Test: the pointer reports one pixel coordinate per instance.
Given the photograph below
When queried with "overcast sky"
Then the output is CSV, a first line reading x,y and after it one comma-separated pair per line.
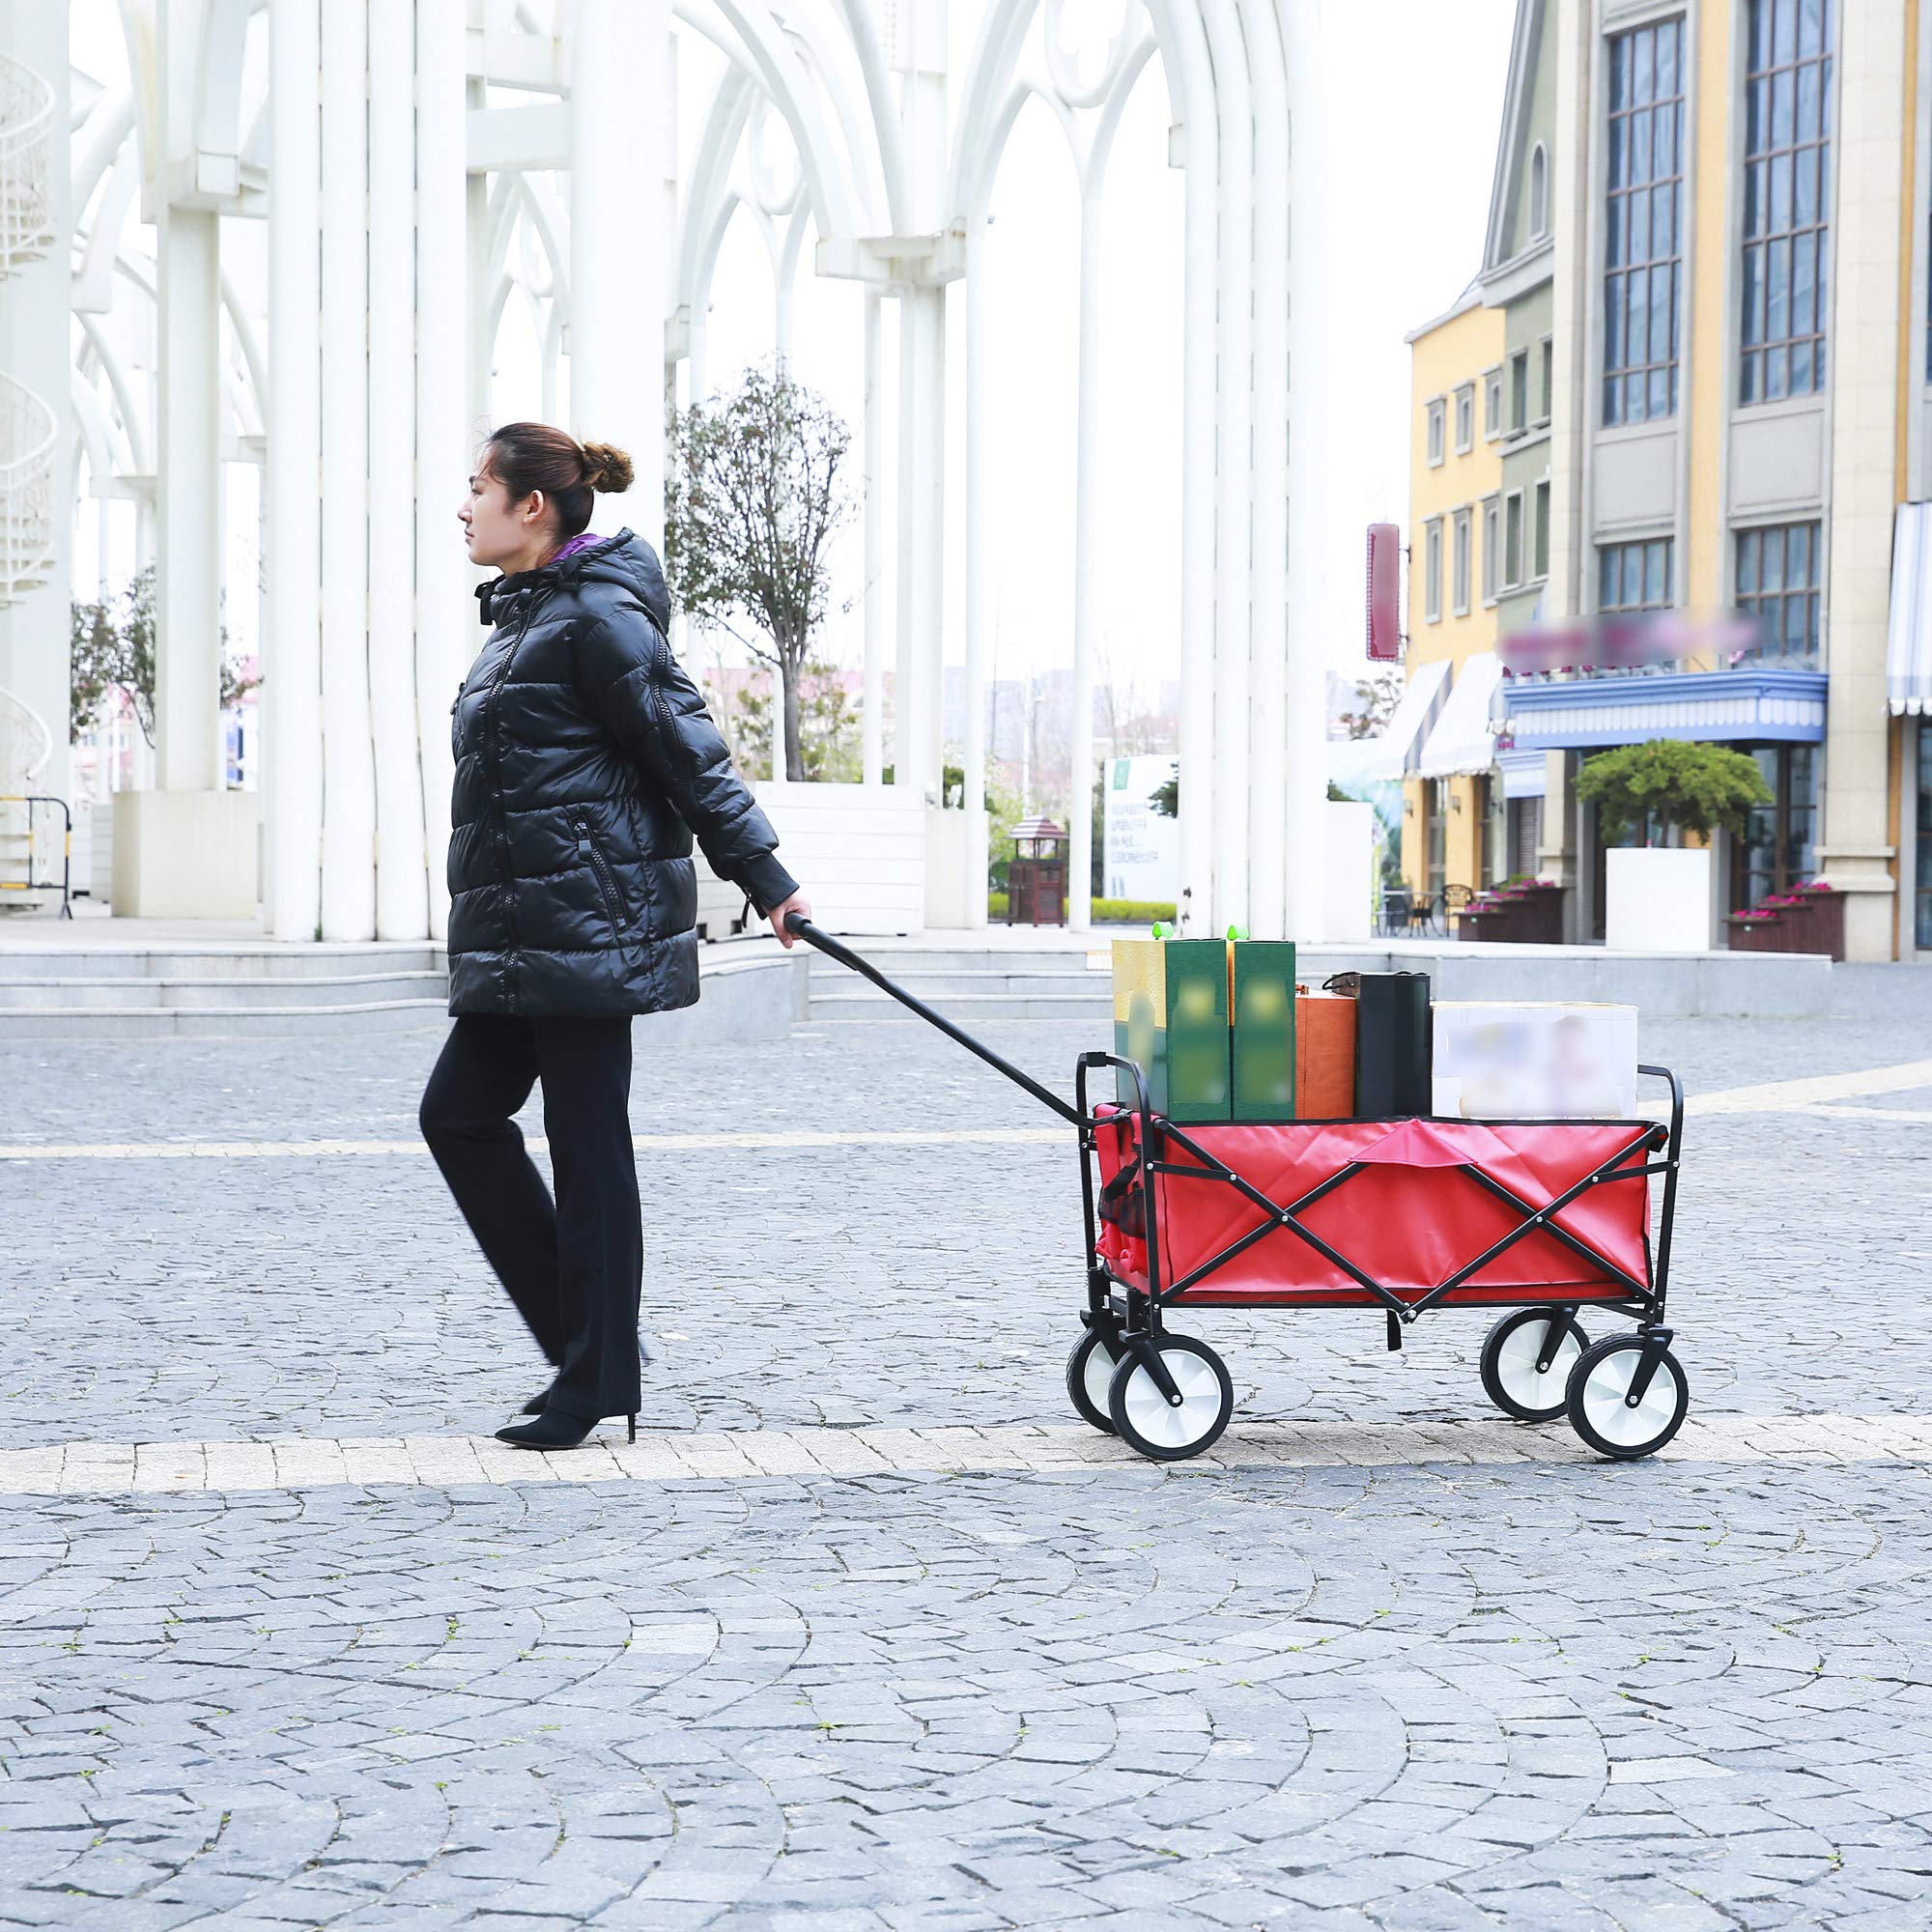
x,y
1413,89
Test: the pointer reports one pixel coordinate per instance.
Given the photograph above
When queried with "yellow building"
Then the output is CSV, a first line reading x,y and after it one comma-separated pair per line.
x,y
1452,827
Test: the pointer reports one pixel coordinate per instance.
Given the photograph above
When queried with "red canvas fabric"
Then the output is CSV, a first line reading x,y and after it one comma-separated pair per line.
x,y
1410,1219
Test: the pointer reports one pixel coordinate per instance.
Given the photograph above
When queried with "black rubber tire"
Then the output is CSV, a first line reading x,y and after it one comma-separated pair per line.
x,y
1213,1402
1078,1391
1652,1425
1496,1364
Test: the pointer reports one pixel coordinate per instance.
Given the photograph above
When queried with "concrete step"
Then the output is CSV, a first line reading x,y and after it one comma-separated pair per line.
x,y
30,962
867,1007
216,992
102,1023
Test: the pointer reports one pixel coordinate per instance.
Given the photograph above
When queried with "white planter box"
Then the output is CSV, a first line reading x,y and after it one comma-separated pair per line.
x,y
955,868
858,851
1657,899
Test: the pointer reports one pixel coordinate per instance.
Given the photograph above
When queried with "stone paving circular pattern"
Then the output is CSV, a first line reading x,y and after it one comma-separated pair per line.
x,y
1400,1697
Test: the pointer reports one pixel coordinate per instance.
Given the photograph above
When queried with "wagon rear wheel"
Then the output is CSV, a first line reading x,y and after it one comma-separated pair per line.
x,y
1514,1352
1089,1369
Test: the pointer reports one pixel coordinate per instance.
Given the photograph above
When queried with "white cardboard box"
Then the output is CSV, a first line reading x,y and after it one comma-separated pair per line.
x,y
1504,1060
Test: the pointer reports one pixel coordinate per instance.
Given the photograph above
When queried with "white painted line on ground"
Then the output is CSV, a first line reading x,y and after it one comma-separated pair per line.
x,y
1785,1095
816,1454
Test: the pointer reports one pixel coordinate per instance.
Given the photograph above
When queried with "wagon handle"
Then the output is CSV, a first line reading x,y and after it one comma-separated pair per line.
x,y
802,928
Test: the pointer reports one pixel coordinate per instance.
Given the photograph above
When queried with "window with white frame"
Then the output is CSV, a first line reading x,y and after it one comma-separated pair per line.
x,y
1539,193
1777,584
1545,379
1466,418
1492,400
1787,199
1643,201
1540,531
1492,533
1435,408
1459,562
1513,540
1634,575
1432,570
1519,392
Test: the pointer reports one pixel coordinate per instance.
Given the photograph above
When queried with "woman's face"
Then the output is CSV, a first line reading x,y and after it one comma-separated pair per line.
x,y
496,531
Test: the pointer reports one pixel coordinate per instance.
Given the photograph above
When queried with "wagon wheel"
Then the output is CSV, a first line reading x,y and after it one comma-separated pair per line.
x,y
1167,1430
1513,1354
1090,1368
1601,1412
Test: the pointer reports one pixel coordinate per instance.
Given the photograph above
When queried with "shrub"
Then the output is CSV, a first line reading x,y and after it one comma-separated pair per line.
x,y
1700,788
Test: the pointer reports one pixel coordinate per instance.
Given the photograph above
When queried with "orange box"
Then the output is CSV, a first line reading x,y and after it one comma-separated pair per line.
x,y
1324,1056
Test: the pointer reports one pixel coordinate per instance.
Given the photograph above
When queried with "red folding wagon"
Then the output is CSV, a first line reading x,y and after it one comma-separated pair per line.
x,y
1543,1218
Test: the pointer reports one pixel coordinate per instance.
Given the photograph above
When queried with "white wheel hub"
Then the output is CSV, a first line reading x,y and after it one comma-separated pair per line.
x,y
1516,1371
1174,1425
1607,1402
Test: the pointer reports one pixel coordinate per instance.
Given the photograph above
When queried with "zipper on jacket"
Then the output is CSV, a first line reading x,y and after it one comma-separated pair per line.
x,y
486,717
606,883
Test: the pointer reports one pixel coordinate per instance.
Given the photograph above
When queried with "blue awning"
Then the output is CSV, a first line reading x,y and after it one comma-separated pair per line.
x,y
1399,744
1524,774
1770,706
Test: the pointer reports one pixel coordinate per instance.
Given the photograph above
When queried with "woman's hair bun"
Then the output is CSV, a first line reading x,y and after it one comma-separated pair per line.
x,y
607,468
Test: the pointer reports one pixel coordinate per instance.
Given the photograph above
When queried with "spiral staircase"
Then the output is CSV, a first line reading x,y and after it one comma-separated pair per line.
x,y
27,433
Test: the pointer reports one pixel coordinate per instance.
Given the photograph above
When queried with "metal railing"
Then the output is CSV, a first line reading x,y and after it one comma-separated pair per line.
x,y
27,433
35,878
26,167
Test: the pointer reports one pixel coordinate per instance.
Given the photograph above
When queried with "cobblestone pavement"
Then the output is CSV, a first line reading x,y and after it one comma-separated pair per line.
x,y
1439,1681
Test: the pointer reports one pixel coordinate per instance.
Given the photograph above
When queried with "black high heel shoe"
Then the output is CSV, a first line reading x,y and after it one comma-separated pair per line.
x,y
554,1429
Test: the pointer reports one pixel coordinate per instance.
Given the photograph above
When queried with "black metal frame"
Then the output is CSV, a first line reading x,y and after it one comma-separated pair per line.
x,y
29,884
1128,1313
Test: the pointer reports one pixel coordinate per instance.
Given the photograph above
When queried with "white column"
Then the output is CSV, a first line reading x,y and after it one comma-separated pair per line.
x,y
187,643
620,113
36,636
973,753
922,495
292,635
1304,362
875,538
402,882
1234,493
348,778
1268,740
1086,510
446,631
1199,351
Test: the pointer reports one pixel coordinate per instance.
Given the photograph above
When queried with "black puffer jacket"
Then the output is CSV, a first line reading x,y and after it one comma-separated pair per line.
x,y
584,761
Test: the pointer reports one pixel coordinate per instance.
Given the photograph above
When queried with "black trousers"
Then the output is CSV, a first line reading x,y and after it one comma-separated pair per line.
x,y
574,1266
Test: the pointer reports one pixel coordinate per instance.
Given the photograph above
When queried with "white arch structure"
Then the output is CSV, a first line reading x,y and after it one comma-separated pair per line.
x,y
257,107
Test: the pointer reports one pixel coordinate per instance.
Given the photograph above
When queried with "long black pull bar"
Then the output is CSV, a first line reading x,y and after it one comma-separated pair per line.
x,y
803,927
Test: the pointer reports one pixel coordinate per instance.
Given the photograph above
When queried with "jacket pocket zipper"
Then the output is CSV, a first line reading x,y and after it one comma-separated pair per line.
x,y
606,883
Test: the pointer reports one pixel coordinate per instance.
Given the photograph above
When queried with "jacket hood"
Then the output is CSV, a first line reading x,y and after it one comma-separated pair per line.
x,y
625,559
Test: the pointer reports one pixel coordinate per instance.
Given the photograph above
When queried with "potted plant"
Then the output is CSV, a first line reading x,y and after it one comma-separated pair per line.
x,y
1658,897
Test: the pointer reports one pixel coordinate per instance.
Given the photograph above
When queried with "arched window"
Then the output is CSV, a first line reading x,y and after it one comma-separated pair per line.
x,y
1539,193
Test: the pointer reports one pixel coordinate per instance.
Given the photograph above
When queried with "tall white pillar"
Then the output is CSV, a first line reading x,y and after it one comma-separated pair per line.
x,y
402,883
1269,780
1086,512
446,632
349,791
973,752
1199,352
874,721
36,634
922,496
187,643
1305,362
1234,491
620,119
292,635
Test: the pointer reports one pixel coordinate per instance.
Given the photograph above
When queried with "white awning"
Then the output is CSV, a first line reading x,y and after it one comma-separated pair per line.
x,y
1461,741
1526,774
1400,741
1908,644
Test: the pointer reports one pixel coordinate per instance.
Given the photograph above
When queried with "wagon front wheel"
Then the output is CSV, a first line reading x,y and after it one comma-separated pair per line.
x,y
1527,1361
1089,1369
1166,1428
1600,1405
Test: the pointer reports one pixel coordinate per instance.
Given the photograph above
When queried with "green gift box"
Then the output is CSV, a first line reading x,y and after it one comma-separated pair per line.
x,y
1171,1016
1260,974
